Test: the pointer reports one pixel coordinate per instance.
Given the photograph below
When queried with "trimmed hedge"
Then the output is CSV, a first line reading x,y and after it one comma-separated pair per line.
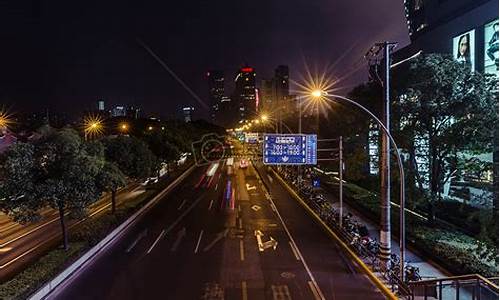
x,y
32,278
88,234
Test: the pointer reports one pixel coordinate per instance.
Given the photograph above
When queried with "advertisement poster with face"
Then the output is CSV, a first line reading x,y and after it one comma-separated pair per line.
x,y
491,47
463,49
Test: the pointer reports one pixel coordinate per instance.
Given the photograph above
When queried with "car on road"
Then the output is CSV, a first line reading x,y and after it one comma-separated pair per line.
x,y
243,163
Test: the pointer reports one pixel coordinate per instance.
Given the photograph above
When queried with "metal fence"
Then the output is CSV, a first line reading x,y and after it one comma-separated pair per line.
x,y
473,287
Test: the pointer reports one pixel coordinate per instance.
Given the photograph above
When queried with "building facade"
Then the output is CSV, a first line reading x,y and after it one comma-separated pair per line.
x,y
244,93
465,29
188,113
215,93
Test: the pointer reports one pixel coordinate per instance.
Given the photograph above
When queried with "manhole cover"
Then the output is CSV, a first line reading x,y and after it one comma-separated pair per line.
x,y
287,275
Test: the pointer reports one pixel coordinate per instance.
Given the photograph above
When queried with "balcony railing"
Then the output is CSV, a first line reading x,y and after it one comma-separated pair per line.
x,y
473,287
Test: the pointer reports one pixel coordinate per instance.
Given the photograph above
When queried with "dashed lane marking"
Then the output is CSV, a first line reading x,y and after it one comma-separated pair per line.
x,y
198,243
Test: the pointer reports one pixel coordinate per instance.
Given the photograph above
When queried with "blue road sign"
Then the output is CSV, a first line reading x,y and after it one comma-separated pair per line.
x,y
316,182
290,149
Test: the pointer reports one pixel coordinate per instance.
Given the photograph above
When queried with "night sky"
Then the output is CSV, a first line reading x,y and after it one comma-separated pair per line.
x,y
64,55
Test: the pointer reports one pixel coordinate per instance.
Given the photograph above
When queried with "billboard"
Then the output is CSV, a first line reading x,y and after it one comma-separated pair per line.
x,y
464,49
491,47
290,149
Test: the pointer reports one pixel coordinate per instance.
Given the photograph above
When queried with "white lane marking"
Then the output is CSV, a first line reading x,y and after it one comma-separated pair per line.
x,y
240,223
198,243
182,204
217,185
242,250
315,290
180,235
244,292
270,178
156,241
239,208
298,250
280,292
294,251
143,234
211,203
165,231
219,236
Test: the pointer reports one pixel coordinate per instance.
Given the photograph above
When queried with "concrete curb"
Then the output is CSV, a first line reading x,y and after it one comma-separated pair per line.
x,y
112,237
375,280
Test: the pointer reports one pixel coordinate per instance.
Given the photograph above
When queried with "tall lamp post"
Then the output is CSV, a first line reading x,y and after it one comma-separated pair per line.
x,y
318,94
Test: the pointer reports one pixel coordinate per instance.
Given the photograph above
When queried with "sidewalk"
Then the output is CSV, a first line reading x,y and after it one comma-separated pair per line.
x,y
427,269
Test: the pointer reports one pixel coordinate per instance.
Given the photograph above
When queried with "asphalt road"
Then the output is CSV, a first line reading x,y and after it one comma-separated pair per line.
x,y
22,244
202,242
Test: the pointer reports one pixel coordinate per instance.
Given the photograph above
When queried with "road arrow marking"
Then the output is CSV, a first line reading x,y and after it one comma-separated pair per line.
x,y
180,235
271,243
219,237
250,187
265,245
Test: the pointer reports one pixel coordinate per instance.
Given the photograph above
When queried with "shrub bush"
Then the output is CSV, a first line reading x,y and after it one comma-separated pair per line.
x,y
35,275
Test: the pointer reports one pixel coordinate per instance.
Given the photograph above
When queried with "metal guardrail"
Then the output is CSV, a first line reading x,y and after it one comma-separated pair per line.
x,y
474,287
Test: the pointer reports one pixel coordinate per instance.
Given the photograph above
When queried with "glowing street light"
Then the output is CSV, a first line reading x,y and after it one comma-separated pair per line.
x,y
5,119
124,127
317,93
92,126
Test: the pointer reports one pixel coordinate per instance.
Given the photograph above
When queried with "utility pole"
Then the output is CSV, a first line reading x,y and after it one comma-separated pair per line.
x,y
341,171
299,169
385,174
385,168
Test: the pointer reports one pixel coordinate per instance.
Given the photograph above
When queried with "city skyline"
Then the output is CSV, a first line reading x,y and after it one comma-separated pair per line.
x,y
74,54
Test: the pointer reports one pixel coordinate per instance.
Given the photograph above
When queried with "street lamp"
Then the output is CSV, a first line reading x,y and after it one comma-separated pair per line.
x,y
92,126
5,119
317,93
124,127
337,98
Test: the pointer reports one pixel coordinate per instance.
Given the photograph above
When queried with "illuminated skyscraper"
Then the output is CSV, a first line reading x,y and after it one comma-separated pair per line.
x,y
244,93
215,93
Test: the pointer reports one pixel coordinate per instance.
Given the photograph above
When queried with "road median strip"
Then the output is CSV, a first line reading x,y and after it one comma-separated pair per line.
x,y
105,243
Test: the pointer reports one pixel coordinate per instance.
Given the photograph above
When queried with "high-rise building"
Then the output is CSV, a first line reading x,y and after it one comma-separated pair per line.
x,y
133,112
281,83
215,92
118,111
227,111
188,113
244,93
100,105
267,94
466,29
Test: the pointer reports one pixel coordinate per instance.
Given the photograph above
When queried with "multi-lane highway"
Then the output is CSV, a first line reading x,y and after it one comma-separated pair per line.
x,y
222,235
